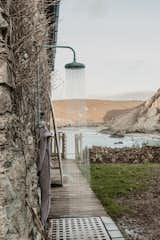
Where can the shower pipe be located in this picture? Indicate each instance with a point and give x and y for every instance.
(66, 47)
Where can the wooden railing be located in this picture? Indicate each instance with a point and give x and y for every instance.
(82, 156)
(62, 145)
(56, 146)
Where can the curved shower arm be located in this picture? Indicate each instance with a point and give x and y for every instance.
(68, 47)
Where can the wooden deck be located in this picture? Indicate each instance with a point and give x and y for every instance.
(75, 198)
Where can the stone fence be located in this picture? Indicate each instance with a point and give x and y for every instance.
(124, 155)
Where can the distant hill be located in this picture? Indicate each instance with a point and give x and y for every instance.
(138, 95)
(141, 95)
(88, 111)
(144, 118)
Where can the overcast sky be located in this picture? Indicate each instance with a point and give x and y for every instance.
(118, 40)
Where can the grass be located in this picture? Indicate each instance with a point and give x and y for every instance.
(111, 182)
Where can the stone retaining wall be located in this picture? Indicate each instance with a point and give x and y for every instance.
(124, 155)
(18, 142)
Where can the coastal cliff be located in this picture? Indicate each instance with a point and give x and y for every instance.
(143, 118)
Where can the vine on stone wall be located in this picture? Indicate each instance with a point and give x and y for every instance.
(24, 28)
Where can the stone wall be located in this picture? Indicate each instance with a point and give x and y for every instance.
(18, 119)
(18, 178)
(132, 155)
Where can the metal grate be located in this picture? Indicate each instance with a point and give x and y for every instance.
(77, 229)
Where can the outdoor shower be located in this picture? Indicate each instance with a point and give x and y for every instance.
(75, 86)
(74, 64)
(75, 77)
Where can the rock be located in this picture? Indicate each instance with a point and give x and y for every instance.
(118, 142)
(5, 100)
(4, 121)
(3, 139)
(117, 135)
(113, 160)
(135, 161)
(3, 73)
(3, 22)
(143, 118)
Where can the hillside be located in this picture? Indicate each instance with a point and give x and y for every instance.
(89, 111)
(144, 118)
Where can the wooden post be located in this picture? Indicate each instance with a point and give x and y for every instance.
(81, 147)
(55, 148)
(64, 146)
(76, 150)
(60, 143)
(56, 141)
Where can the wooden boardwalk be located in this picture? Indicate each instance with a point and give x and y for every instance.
(75, 198)
(76, 213)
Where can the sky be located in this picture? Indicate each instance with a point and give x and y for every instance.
(118, 40)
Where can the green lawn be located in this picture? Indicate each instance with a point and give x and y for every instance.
(113, 181)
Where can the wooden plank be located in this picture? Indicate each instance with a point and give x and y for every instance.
(75, 198)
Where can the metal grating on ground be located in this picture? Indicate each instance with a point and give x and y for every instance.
(77, 229)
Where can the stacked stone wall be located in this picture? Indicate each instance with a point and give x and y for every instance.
(21, 53)
(144, 154)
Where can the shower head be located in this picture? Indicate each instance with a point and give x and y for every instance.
(74, 65)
